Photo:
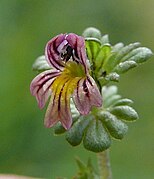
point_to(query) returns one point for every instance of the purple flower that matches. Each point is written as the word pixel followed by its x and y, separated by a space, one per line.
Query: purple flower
pixel 68 77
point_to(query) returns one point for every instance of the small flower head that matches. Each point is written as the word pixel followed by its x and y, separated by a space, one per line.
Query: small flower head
pixel 68 77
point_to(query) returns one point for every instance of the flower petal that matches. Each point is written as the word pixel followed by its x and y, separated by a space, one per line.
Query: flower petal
pixel 59 106
pixel 40 86
pixel 78 44
pixel 52 53
pixel 87 95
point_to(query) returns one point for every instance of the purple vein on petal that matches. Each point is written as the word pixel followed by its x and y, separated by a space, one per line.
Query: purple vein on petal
pixel 40 86
pixel 52 53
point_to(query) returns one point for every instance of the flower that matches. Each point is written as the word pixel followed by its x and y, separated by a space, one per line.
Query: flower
pixel 68 77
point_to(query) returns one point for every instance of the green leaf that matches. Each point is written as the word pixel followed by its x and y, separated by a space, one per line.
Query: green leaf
pixel 92 32
pixel 126 50
pixel 81 165
pixel 41 64
pixel 105 39
pixel 96 138
pixel 139 55
pixel 125 66
pixel 109 101
pixel 86 171
pixel 110 63
pixel 125 113
pixel 93 48
pixel 75 134
pixel 116 128
pixel 117 47
pixel 110 77
pixel 102 56
pixel 59 129
pixel 113 77
pixel 107 61
pixel 109 91
pixel 122 102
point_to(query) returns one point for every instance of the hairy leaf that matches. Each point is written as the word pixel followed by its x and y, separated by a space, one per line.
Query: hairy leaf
pixel 96 137
pixel 41 64
pixel 75 134
pixel 116 127
pixel 124 112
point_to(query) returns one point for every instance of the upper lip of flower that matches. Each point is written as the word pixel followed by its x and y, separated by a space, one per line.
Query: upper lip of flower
pixel 68 77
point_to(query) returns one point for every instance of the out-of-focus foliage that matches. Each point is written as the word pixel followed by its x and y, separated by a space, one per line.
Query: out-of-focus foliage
pixel 26 147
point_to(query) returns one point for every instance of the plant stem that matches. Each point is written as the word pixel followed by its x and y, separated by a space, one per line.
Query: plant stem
pixel 104 165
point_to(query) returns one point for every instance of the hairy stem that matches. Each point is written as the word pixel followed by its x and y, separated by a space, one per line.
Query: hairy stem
pixel 104 165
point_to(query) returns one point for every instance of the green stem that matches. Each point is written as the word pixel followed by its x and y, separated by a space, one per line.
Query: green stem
pixel 104 165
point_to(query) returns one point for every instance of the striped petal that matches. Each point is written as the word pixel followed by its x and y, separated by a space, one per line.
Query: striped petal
pixel 78 44
pixel 59 105
pixel 52 52
pixel 40 86
pixel 55 48
pixel 87 95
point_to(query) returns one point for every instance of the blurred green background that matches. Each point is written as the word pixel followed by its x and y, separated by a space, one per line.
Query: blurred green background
pixel 26 147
